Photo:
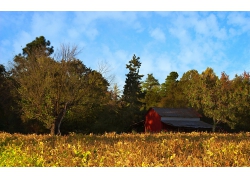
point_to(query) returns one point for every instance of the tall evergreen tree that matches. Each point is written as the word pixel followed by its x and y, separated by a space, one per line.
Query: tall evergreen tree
pixel 132 93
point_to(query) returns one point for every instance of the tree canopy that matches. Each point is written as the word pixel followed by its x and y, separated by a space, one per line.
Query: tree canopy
pixel 53 92
pixel 49 88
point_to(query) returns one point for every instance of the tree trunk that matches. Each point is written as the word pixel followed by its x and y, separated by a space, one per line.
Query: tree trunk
pixel 52 129
pixel 214 126
pixel 58 120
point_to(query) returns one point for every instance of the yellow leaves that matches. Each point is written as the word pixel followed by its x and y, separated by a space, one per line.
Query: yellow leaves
pixel 224 150
pixel 210 153
pixel 235 152
pixel 172 157
pixel 111 149
pixel 119 143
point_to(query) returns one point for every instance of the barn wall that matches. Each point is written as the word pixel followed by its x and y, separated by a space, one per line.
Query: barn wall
pixel 153 122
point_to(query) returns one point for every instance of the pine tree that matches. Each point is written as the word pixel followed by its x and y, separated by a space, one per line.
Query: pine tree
pixel 132 93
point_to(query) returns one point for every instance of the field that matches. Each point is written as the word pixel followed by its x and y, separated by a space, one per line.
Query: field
pixel 126 150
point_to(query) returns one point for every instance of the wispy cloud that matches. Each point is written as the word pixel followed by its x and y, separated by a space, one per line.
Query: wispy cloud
pixel 158 34
pixel 165 41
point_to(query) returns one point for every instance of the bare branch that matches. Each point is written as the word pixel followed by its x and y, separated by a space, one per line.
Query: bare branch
pixel 67 52
pixel 104 69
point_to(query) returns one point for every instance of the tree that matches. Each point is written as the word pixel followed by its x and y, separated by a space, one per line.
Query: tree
pixel 169 83
pixel 86 114
pixel 49 87
pixel 240 102
pixel 132 93
pixel 217 105
pixel 210 96
pixel 115 93
pixel 168 91
pixel 151 88
pixel 8 107
pixel 150 83
pixel 191 87
pixel 40 47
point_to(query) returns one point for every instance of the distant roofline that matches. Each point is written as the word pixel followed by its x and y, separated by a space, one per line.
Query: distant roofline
pixel 176 112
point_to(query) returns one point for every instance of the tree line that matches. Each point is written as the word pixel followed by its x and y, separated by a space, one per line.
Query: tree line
pixel 54 92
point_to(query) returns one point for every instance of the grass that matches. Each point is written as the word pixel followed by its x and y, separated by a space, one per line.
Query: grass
pixel 126 150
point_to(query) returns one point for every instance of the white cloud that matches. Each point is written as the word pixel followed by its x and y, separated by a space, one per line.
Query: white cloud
pixel 201 40
pixel 237 18
pixel 50 23
pixel 87 23
pixel 240 21
pixel 204 24
pixel 87 19
pixel 182 35
pixel 160 65
pixel 193 40
pixel 158 34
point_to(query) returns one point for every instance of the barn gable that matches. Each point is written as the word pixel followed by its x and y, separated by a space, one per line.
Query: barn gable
pixel 173 117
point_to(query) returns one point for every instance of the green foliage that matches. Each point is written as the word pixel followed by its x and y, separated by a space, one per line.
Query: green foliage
pixel 150 83
pixel 191 85
pixel 171 92
pixel 169 84
pixel 48 88
pixel 48 92
pixel 9 115
pixel 223 100
pixel 39 46
pixel 151 88
pixel 132 94
pixel 210 95
pixel 240 102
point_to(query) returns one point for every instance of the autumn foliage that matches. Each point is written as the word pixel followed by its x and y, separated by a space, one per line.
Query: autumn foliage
pixel 44 92
pixel 126 150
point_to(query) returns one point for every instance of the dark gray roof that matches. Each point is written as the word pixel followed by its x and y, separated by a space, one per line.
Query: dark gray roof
pixel 177 112
pixel 189 124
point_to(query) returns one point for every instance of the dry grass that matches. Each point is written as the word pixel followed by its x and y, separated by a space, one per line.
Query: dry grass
pixel 126 150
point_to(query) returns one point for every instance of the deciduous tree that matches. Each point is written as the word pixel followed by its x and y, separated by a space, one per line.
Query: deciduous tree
pixel 49 87
pixel 240 102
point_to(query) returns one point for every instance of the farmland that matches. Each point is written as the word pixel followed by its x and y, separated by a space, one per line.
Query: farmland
pixel 126 150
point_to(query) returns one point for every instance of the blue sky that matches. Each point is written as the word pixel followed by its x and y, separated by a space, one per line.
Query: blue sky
pixel 165 41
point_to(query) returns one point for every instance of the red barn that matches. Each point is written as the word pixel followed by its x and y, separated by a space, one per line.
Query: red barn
pixel 159 119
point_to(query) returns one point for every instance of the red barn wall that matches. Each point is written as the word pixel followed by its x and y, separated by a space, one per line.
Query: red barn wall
pixel 153 121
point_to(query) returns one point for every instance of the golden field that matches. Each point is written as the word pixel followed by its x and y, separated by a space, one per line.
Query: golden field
pixel 126 150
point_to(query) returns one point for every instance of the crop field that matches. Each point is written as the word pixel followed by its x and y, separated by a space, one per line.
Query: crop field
pixel 126 150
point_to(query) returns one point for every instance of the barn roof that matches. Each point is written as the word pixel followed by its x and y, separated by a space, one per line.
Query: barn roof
pixel 188 124
pixel 177 112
